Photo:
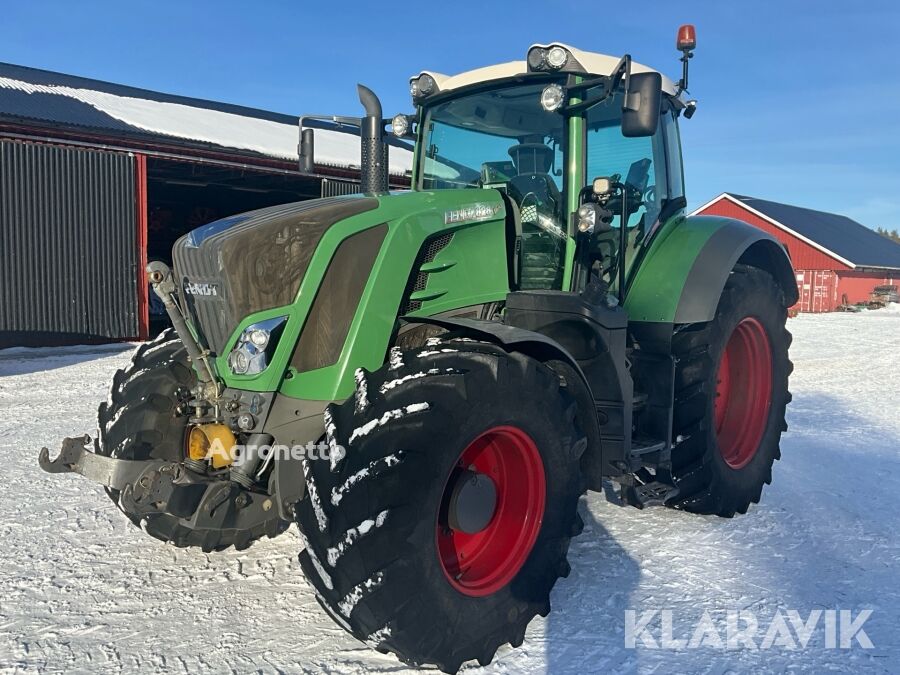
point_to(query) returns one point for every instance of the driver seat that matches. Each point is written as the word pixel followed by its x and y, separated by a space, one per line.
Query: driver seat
pixel 533 162
pixel 534 191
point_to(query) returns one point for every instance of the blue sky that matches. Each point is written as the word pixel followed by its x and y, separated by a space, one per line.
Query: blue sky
pixel 799 101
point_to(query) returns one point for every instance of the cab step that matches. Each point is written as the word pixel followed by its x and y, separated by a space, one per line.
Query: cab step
pixel 644 488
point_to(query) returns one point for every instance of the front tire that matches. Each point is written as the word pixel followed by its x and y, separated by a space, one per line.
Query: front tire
pixel 141 420
pixel 388 556
pixel 731 393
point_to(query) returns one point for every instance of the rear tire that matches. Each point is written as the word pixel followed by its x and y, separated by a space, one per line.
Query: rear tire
pixel 375 523
pixel 140 420
pixel 731 390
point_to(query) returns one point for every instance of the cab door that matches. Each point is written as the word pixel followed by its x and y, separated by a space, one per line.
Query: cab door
pixel 642 165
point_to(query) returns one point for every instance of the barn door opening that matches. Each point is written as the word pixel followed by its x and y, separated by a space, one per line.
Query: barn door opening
pixel 183 195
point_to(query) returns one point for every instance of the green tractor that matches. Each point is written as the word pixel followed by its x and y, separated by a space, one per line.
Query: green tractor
pixel 426 381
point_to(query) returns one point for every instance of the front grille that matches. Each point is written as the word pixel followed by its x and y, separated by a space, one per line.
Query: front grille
pixel 418 279
pixel 255 261
pixel 210 313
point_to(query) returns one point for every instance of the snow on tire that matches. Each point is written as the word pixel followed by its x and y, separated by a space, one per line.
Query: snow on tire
pixel 140 420
pixel 386 564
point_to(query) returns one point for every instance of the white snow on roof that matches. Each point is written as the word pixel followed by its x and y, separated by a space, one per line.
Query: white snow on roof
pixel 594 63
pixel 266 137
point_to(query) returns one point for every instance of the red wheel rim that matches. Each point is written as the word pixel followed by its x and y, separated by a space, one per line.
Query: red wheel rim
pixel 743 392
pixel 482 563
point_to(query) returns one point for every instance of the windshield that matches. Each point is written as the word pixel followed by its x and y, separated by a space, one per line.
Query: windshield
pixel 475 140
pixel 504 139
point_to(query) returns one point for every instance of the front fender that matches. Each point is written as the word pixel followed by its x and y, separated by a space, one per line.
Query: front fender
pixel 681 276
pixel 511 338
pixel 597 460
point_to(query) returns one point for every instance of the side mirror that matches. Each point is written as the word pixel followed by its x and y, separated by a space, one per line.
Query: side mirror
pixel 640 112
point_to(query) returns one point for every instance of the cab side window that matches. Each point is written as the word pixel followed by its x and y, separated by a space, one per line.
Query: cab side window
pixel 638 162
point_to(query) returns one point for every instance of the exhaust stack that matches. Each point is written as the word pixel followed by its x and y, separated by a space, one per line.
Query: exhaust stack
pixel 373 159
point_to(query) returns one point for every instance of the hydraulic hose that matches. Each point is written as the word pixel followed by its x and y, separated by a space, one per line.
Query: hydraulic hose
pixel 160 277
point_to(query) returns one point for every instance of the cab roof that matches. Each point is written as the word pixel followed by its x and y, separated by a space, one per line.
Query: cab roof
pixel 591 63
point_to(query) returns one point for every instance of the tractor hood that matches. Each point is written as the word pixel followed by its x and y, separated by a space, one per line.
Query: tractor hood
pixel 253 261
pixel 316 263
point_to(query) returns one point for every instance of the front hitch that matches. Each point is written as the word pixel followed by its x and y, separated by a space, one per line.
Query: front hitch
pixel 76 457
pixel 153 487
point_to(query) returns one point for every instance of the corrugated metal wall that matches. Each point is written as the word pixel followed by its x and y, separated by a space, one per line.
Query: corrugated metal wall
pixel 822 280
pixel 338 188
pixel 818 290
pixel 68 244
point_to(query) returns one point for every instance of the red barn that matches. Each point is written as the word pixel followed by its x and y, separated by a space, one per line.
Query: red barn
pixel 837 260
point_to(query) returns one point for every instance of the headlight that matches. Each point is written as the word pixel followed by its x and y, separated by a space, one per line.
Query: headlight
pixel 593 218
pixel 602 187
pixel 550 58
pixel 422 86
pixel 255 347
pixel 400 125
pixel 552 97
pixel 587 218
pixel 557 57
pixel 239 361
pixel 259 337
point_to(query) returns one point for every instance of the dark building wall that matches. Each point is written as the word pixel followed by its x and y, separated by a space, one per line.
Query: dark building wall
pixel 69 251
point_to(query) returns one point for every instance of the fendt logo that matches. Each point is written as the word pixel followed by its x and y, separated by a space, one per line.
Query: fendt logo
pixel 200 289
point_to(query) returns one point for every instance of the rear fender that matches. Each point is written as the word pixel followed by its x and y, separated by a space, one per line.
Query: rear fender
pixel 681 277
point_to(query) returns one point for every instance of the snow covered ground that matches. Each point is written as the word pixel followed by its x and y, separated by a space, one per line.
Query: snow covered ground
pixel 81 589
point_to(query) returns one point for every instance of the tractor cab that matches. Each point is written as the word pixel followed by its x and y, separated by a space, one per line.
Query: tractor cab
pixel 542 131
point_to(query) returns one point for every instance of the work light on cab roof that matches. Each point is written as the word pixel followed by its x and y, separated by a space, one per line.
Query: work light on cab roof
pixel 583 71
